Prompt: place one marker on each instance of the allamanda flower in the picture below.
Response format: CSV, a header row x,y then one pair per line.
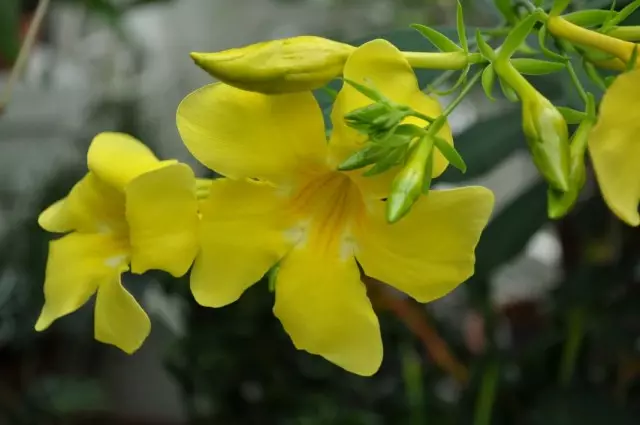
x,y
614,147
129,209
284,202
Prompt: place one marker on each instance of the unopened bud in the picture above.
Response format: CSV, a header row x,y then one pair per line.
x,y
548,139
408,184
279,66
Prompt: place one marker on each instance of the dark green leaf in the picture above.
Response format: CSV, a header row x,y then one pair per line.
x,y
9,30
462,31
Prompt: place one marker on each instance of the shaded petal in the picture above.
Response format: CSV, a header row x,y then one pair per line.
x,y
324,307
380,64
119,319
75,266
162,212
93,206
243,134
56,218
118,158
242,235
430,251
614,147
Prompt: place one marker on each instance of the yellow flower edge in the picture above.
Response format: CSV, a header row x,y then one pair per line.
x,y
130,209
285,202
614,147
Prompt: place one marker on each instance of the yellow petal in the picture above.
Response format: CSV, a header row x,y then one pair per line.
x,y
242,134
119,320
430,251
56,218
614,147
242,235
381,65
94,206
76,264
117,158
324,307
162,212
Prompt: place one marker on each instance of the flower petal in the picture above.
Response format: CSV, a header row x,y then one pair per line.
x,y
243,134
162,212
119,319
56,218
323,306
76,264
614,147
242,235
117,158
431,251
92,206
380,64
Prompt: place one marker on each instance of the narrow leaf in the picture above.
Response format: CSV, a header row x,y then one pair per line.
x,y
370,92
530,66
488,78
559,6
517,36
428,173
594,75
392,158
633,59
572,116
462,31
622,15
484,47
588,18
542,38
450,153
508,92
461,80
365,156
506,9
436,38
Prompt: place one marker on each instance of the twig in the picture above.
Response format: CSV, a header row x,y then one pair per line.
x,y
25,51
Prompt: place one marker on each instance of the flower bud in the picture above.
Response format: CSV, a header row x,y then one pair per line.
x,y
548,140
408,184
279,66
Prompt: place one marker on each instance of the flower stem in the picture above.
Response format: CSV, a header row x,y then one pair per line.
x,y
23,55
562,28
486,397
575,333
443,60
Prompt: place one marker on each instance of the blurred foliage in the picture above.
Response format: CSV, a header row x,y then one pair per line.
x,y
9,30
236,365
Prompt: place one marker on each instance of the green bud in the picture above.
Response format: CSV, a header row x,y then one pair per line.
x,y
548,138
408,183
560,203
365,156
279,66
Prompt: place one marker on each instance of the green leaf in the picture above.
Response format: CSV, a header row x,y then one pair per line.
x,y
460,81
622,15
428,174
631,64
517,36
450,153
484,47
508,92
273,277
462,31
439,40
542,36
530,66
572,116
488,79
9,30
588,18
365,156
559,6
506,9
370,92
389,160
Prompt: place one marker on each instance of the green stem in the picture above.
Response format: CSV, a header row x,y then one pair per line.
x,y
443,60
575,334
484,404
516,81
577,83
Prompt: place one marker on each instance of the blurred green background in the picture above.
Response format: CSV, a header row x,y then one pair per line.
x,y
548,328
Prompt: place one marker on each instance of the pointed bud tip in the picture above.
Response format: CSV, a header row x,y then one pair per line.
x,y
398,206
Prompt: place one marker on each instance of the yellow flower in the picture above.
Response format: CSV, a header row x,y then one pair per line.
x,y
129,209
284,201
278,66
614,147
